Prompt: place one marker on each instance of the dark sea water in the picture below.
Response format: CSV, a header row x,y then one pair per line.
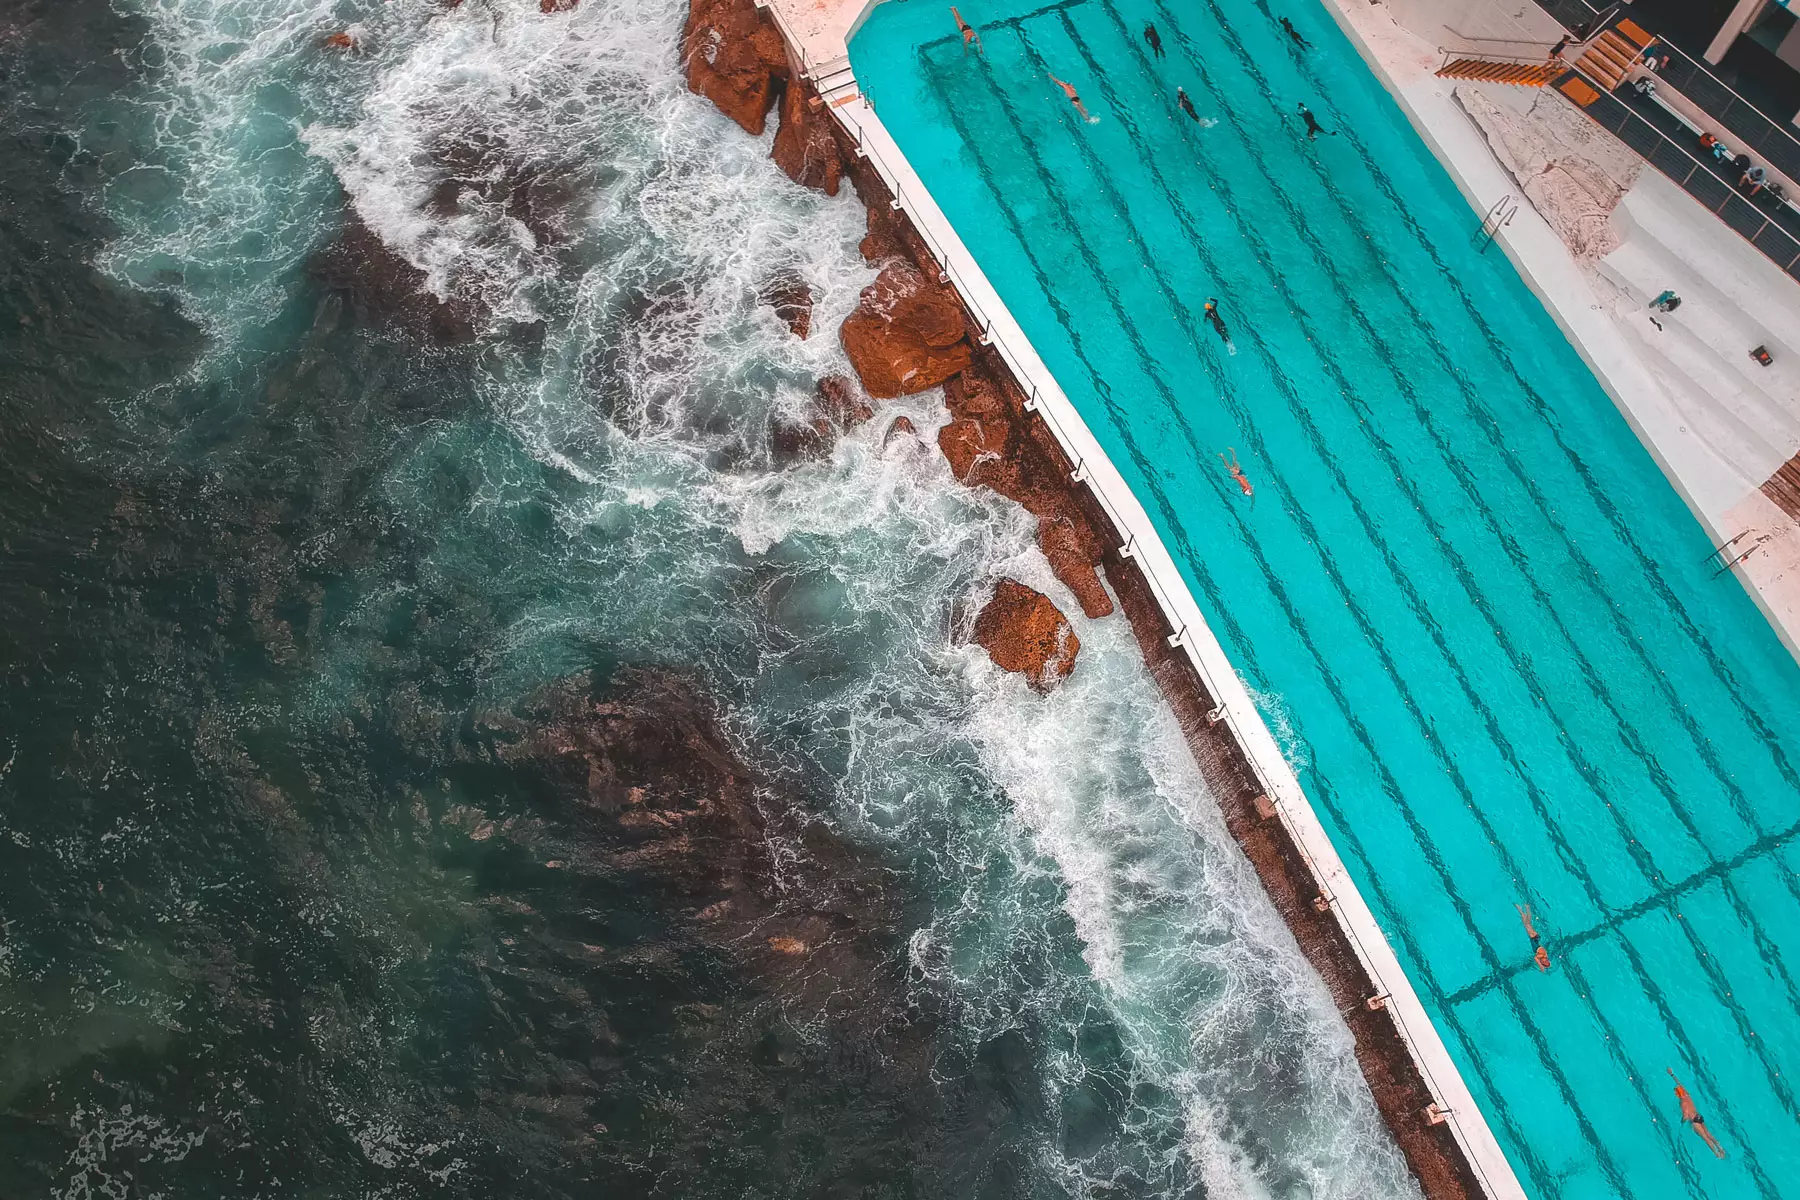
x,y
444,752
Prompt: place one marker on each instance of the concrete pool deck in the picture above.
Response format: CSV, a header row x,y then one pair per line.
x,y
817,33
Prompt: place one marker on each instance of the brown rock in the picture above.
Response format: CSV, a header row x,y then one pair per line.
x,y
1070,547
973,444
805,146
902,427
341,41
791,298
787,945
556,6
734,57
972,394
907,335
1025,633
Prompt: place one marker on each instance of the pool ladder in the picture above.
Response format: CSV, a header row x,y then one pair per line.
x,y
1498,217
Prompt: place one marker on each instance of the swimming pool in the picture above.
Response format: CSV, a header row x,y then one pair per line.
x,y
1481,622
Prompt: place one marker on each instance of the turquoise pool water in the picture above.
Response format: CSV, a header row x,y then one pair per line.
x,y
1479,619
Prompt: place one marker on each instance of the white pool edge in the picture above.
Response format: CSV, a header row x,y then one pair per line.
x,y
1143,544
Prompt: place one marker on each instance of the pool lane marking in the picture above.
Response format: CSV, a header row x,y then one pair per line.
x,y
1123,213
1770,844
1147,153
1629,735
1708,753
1353,720
1496,346
1720,986
1208,586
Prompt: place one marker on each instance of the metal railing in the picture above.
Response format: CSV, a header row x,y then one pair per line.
x,y
1776,142
1475,45
1699,180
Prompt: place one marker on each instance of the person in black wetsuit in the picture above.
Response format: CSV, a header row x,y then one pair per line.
x,y
1153,38
1295,34
1216,321
1313,128
1187,106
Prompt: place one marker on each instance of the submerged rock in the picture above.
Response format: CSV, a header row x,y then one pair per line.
x,y
383,288
907,335
1025,633
837,408
734,57
792,299
805,146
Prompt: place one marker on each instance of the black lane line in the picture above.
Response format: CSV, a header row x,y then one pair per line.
x,y
1447,1014
1772,844
1719,985
1673,702
1744,912
1353,720
1147,153
1496,347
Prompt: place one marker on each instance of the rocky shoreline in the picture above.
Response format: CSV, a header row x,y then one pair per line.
x,y
910,334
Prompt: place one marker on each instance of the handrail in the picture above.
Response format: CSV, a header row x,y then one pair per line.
x,y
1706,69
1500,41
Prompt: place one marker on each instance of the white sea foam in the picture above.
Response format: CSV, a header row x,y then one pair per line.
x,y
832,591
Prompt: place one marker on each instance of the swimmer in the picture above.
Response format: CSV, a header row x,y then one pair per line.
x,y
1691,1115
1153,38
1237,472
1539,955
967,31
1295,34
1187,106
1313,128
1216,321
1069,91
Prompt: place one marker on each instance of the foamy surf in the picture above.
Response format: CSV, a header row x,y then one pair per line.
x,y
1087,906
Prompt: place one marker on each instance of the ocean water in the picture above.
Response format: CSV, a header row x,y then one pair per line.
x,y
281,914
1484,627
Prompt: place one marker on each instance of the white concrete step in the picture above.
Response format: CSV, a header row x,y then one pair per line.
x,y
1667,216
1723,333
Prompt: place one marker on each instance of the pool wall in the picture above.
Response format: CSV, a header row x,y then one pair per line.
x,y
1417,1087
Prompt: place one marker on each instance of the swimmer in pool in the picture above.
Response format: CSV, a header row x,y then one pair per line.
x,y
1539,955
1237,472
1295,34
1153,38
1187,106
1216,321
1069,91
968,32
1691,1114
1313,128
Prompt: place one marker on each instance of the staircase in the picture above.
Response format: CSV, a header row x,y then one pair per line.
x,y
1487,70
835,82
1608,60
